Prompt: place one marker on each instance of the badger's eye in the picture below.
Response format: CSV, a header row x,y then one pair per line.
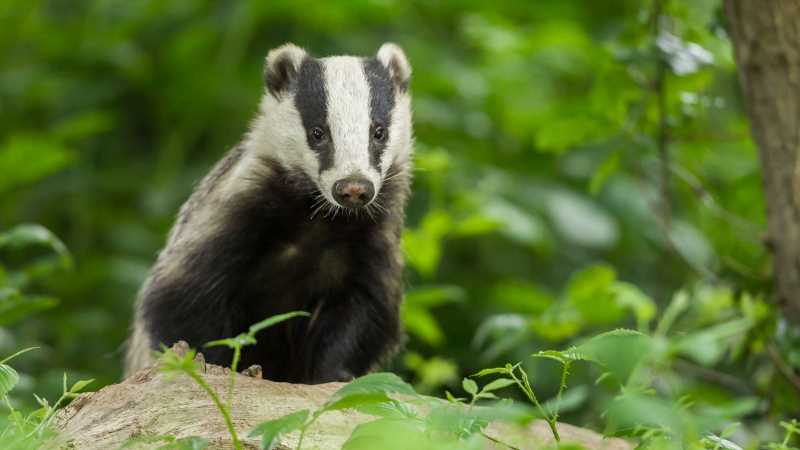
x,y
379,133
318,134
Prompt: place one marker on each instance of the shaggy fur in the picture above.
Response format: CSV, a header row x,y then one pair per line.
x,y
261,235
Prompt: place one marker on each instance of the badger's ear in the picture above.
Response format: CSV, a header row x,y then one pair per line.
x,y
281,68
394,59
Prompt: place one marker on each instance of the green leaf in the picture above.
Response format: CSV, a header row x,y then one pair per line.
x,y
632,410
26,158
374,383
423,245
432,372
497,384
708,346
137,441
492,371
272,431
15,307
677,306
604,172
239,341
274,320
521,296
470,386
431,295
487,395
172,362
391,408
455,420
562,356
32,234
389,434
451,398
356,399
559,322
79,385
507,411
404,434
572,399
8,379
422,324
516,223
475,225
590,292
14,355
187,443
631,297
561,133
619,351
83,125
171,443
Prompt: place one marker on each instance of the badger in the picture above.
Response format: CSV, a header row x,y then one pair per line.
x,y
305,213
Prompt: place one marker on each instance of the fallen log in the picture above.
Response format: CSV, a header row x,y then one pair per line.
x,y
153,403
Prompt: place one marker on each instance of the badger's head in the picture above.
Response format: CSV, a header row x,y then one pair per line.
x,y
344,121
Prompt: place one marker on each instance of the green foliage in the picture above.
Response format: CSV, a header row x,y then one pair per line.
x,y
249,338
34,429
536,221
25,159
173,363
168,442
367,391
273,430
14,304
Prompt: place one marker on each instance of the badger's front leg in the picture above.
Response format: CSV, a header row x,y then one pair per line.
x,y
348,336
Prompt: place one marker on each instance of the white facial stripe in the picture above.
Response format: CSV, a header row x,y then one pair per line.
x,y
399,146
279,133
349,116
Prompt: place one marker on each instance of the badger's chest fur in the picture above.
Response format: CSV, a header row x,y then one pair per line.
x,y
305,214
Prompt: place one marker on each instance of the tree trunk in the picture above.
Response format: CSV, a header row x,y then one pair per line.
x,y
766,40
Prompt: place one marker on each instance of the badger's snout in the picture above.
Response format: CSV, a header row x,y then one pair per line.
x,y
353,192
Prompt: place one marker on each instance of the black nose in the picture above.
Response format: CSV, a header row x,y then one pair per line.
x,y
353,192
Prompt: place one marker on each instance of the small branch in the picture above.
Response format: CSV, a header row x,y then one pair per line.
x,y
783,367
748,230
220,406
714,376
708,274
497,441
662,138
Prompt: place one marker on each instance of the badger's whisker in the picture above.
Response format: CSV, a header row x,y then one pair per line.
x,y
394,175
320,207
368,211
379,207
317,203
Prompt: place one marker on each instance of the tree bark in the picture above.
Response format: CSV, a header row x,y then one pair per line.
x,y
149,403
766,40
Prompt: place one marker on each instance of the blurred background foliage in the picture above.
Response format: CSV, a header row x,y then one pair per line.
x,y
581,166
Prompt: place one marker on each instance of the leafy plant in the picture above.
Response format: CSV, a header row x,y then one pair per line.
x,y
792,429
369,390
185,364
249,338
14,303
32,430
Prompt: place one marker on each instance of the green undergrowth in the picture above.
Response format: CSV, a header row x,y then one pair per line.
x,y
626,360
643,383
401,418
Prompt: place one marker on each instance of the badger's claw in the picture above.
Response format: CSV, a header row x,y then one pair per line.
x,y
253,371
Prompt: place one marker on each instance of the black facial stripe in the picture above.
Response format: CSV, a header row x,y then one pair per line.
x,y
311,102
381,103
